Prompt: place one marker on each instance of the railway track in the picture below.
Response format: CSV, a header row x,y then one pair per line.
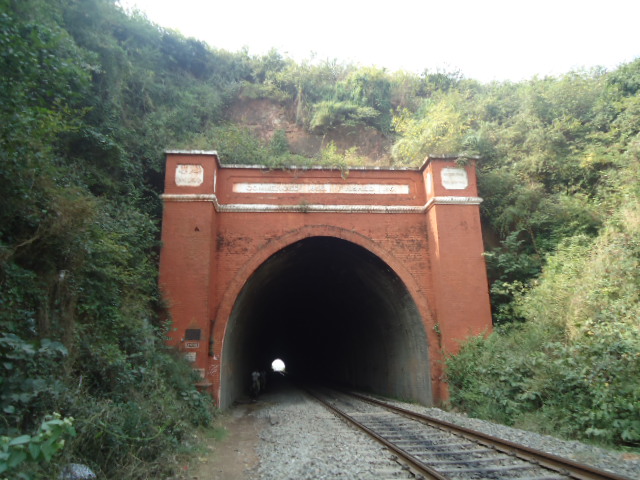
x,y
434,449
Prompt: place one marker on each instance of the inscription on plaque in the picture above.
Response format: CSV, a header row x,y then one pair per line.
x,y
348,188
189,175
190,356
454,178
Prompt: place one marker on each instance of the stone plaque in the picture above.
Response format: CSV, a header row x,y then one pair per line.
x,y
346,188
454,178
189,175
190,356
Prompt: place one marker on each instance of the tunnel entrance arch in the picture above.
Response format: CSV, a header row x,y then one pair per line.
x,y
390,261
335,312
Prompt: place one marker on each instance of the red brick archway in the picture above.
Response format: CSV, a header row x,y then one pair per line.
x,y
221,224
308,231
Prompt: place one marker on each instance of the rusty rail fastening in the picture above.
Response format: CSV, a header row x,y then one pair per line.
x,y
562,466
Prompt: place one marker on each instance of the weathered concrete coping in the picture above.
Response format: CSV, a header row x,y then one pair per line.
x,y
319,167
318,208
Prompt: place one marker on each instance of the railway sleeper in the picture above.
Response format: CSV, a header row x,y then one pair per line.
x,y
441,446
544,478
498,469
466,451
458,462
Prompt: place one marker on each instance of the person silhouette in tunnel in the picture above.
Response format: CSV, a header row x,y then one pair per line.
x,y
254,391
263,381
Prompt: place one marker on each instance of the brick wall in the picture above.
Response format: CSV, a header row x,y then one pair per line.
x,y
221,223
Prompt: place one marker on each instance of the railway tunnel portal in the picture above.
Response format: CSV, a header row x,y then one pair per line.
x,y
367,279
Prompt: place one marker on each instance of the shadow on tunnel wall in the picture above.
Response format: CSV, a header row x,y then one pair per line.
x,y
334,312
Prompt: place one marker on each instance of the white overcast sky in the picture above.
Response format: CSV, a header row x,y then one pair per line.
x,y
484,39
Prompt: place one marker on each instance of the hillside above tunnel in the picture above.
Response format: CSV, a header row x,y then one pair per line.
x,y
265,117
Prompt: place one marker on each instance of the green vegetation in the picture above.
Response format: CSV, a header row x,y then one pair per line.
x,y
89,99
43,446
565,356
86,96
572,368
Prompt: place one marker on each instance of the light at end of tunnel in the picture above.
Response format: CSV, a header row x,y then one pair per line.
x,y
277,365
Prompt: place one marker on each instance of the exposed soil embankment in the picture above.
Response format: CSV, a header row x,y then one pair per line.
x,y
264,117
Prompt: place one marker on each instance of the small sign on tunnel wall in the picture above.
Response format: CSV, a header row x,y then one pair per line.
x,y
189,175
455,178
192,334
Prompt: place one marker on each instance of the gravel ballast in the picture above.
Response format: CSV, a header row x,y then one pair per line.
x,y
303,440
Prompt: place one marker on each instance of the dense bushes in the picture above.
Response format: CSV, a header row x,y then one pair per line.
x,y
572,368
332,114
524,376
82,334
560,180
140,426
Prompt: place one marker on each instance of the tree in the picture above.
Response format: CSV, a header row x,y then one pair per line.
x,y
438,128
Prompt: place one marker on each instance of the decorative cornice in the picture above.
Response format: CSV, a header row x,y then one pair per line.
x,y
316,208
453,201
189,197
191,152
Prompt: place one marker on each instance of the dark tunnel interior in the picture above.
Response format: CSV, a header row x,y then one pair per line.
x,y
333,312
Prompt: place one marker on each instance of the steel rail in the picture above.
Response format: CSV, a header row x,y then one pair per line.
x,y
559,464
415,464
